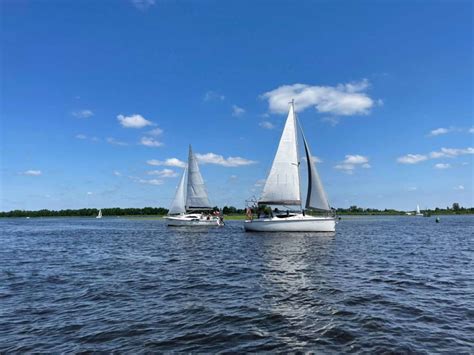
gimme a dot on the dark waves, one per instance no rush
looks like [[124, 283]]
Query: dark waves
[[402, 285]]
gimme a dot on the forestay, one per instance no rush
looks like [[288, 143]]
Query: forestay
[[282, 186]]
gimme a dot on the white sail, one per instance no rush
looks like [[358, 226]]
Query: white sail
[[196, 194], [282, 186], [179, 201], [418, 209], [316, 197], [100, 214]]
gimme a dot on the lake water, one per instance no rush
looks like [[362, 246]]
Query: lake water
[[401, 284]]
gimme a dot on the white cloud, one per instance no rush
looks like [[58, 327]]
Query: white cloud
[[32, 172], [150, 182], [237, 111], [143, 4], [442, 166], [343, 99], [266, 125], [168, 162], [411, 158], [89, 193], [346, 168], [155, 132], [83, 113], [114, 141], [356, 159], [412, 188], [117, 173], [213, 95], [150, 142], [352, 162], [439, 131], [211, 158], [134, 121], [81, 136], [451, 152], [84, 137], [459, 187], [471, 130], [165, 173]]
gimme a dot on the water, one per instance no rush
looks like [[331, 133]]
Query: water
[[381, 284]]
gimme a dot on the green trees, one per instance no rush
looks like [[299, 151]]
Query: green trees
[[88, 212]]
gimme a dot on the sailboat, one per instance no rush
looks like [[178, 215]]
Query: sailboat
[[418, 212], [100, 214], [191, 195], [282, 188]]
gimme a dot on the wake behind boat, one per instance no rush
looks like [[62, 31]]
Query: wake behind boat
[[191, 195], [282, 188]]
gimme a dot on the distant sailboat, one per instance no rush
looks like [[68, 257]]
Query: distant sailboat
[[191, 195], [100, 214], [418, 212], [282, 188]]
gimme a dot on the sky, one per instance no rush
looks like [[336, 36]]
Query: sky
[[99, 100]]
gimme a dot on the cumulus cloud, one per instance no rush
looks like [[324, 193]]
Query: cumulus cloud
[[133, 121], [150, 142], [440, 131], [352, 162], [143, 4], [341, 100], [412, 158], [168, 162], [117, 173], [32, 172], [442, 166], [471, 130], [451, 152], [211, 158], [165, 173], [459, 187], [237, 111], [155, 132], [150, 181], [266, 125], [82, 113], [81, 136], [213, 95], [114, 141]]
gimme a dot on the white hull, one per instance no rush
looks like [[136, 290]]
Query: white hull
[[193, 220], [298, 223]]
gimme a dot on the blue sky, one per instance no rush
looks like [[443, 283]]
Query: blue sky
[[97, 95]]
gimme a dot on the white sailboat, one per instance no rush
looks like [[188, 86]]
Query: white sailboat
[[418, 212], [282, 188], [191, 195], [100, 214]]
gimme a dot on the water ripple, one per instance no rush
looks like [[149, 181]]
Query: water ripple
[[380, 285]]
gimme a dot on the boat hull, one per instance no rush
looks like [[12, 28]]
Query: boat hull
[[291, 224], [186, 221]]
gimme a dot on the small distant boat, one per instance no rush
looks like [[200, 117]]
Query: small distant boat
[[100, 214], [282, 188], [191, 195], [418, 212], [28, 217]]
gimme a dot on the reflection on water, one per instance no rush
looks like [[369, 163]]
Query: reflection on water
[[378, 285]]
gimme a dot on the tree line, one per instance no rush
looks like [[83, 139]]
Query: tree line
[[226, 210]]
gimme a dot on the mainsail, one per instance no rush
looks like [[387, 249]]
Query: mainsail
[[178, 204], [282, 186], [316, 197], [196, 194]]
